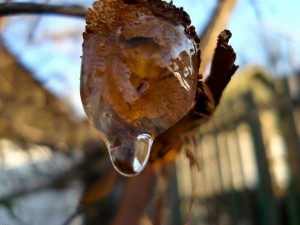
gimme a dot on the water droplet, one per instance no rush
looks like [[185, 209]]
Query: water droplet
[[131, 156]]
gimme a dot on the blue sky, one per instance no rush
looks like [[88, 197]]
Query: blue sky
[[54, 59]]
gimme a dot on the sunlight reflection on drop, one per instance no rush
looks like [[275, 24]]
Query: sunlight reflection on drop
[[182, 81], [136, 164]]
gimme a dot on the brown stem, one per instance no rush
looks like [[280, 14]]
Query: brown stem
[[165, 178], [36, 8], [135, 197]]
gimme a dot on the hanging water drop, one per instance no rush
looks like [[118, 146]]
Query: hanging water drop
[[131, 156]]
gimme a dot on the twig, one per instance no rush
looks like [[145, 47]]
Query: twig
[[7, 9], [222, 67]]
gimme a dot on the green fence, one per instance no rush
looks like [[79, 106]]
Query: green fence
[[249, 157]]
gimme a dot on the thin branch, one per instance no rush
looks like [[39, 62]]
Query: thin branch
[[7, 9], [213, 28]]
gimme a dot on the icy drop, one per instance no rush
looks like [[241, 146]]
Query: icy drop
[[138, 77]]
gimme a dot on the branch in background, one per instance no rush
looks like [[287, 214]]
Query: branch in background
[[7, 9], [213, 28], [87, 169], [3, 20]]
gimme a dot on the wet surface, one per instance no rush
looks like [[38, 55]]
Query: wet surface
[[136, 82]]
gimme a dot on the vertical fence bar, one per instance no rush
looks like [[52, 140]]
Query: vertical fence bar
[[286, 108], [265, 202]]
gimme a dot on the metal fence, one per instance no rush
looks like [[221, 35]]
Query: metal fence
[[249, 157]]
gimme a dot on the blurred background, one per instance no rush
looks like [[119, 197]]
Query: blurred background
[[55, 170]]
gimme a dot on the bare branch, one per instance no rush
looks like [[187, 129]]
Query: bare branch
[[36, 8], [213, 28]]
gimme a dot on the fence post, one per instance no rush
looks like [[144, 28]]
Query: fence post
[[286, 106], [265, 202]]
